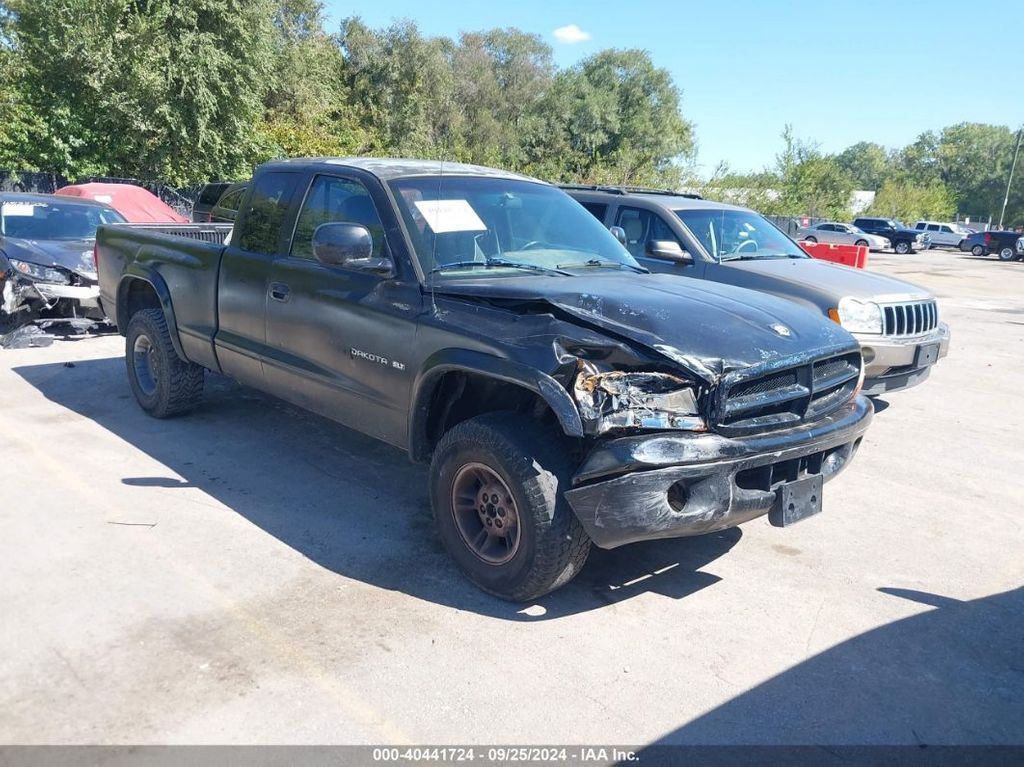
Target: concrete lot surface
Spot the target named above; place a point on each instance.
(254, 574)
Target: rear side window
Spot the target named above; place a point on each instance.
(920, 225)
(211, 193)
(231, 200)
(264, 217)
(596, 209)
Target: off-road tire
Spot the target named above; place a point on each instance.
(978, 251)
(535, 464)
(906, 248)
(1007, 254)
(178, 385)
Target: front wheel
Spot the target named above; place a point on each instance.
(164, 385)
(496, 487)
(812, 240)
(1007, 254)
(861, 243)
(978, 251)
(902, 247)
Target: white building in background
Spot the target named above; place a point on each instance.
(860, 201)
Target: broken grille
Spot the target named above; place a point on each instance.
(789, 396)
(910, 319)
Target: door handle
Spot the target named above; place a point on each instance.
(279, 291)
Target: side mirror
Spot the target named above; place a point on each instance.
(347, 245)
(619, 233)
(668, 249)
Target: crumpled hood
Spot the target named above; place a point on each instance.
(710, 329)
(75, 255)
(810, 277)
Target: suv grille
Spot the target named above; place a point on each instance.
(789, 396)
(911, 319)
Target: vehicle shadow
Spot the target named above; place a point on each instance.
(951, 675)
(349, 503)
(879, 404)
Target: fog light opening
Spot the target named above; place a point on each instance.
(677, 496)
(869, 355)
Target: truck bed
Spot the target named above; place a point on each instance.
(180, 260)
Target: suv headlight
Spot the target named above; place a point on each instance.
(40, 273)
(621, 400)
(858, 316)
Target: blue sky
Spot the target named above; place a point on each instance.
(839, 72)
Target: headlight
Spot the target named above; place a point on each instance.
(858, 316)
(41, 273)
(621, 400)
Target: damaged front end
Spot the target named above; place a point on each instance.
(31, 292)
(618, 399)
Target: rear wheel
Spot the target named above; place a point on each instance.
(1007, 254)
(978, 251)
(164, 385)
(861, 243)
(496, 487)
(811, 239)
(902, 247)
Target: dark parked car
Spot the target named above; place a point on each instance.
(226, 209)
(896, 322)
(46, 243)
(485, 322)
(208, 197)
(1002, 244)
(903, 238)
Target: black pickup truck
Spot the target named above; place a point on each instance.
(487, 323)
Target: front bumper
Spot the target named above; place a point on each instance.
(893, 363)
(670, 485)
(86, 295)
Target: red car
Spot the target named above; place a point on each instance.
(137, 205)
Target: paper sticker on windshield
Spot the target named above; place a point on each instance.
(19, 208)
(450, 216)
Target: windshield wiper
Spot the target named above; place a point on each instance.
(497, 263)
(756, 256)
(597, 262)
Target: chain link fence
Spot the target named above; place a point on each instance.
(180, 198)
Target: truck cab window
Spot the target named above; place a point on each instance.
(268, 206)
(333, 200)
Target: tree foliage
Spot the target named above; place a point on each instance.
(911, 202)
(189, 90)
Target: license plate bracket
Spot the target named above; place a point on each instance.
(927, 354)
(795, 501)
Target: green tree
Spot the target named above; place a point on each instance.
(867, 164)
(910, 202)
(307, 109)
(400, 85)
(619, 120)
(165, 88)
(500, 78)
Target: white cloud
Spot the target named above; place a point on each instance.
(570, 34)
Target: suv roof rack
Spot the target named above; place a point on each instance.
(630, 190)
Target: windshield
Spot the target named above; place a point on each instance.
(463, 225)
(32, 220)
(738, 234)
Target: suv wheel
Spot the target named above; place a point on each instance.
(902, 247)
(164, 385)
(978, 251)
(496, 487)
(1007, 254)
